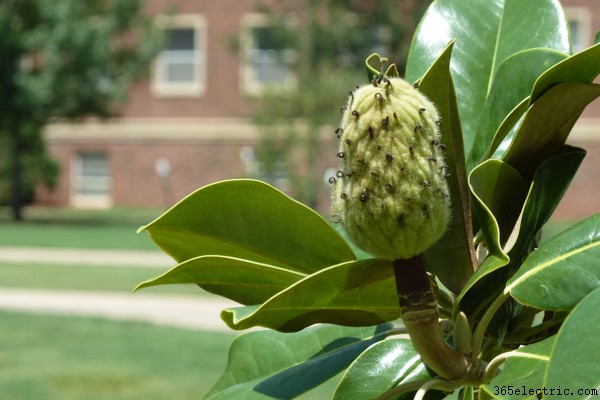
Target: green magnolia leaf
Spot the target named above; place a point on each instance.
(487, 32)
(581, 67)
(513, 83)
(499, 192)
(250, 220)
(273, 365)
(356, 293)
(244, 281)
(452, 258)
(381, 367)
(521, 373)
(574, 362)
(562, 271)
(549, 184)
(547, 124)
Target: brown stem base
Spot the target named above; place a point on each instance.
(418, 309)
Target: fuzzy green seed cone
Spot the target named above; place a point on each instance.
(391, 192)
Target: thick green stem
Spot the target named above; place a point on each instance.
(418, 309)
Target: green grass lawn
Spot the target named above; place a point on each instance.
(93, 278)
(68, 358)
(66, 227)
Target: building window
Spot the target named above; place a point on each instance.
(180, 68)
(91, 180)
(266, 60)
(580, 25)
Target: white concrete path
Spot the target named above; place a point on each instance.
(180, 311)
(142, 258)
(202, 312)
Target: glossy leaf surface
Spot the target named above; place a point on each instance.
(550, 182)
(486, 32)
(574, 362)
(382, 366)
(520, 373)
(357, 293)
(244, 281)
(250, 220)
(272, 365)
(512, 84)
(562, 271)
(581, 67)
(499, 192)
(547, 124)
(452, 257)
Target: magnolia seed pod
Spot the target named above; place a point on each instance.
(391, 193)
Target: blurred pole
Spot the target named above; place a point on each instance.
(163, 170)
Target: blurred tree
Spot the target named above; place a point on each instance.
(63, 59)
(329, 41)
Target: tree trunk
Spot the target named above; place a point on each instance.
(16, 174)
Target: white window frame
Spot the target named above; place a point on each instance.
(583, 17)
(196, 88)
(249, 85)
(89, 200)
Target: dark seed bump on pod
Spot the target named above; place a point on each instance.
(388, 92)
(411, 150)
(342, 109)
(422, 109)
(418, 128)
(340, 174)
(348, 142)
(395, 116)
(371, 132)
(378, 97)
(400, 219)
(343, 196)
(374, 82)
(336, 219)
(389, 157)
(442, 147)
(340, 154)
(416, 85)
(349, 174)
(385, 121)
(438, 123)
(389, 188)
(339, 130)
(434, 142)
(364, 196)
(332, 180)
(432, 159)
(360, 161)
(424, 209)
(378, 147)
(355, 114)
(386, 80)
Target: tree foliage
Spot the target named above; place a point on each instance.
(329, 39)
(64, 59)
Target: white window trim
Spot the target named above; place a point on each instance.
(583, 16)
(87, 201)
(248, 85)
(161, 88)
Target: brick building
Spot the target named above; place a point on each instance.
(188, 125)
